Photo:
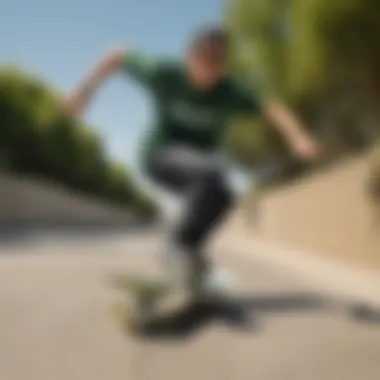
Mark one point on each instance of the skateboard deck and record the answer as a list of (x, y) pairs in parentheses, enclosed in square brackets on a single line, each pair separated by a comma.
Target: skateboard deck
[(139, 286), (143, 301)]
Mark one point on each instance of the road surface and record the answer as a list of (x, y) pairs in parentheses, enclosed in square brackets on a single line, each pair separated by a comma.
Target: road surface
[(55, 324)]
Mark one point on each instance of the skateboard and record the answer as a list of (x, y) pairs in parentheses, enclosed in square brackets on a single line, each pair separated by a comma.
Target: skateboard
[(142, 300), (138, 299)]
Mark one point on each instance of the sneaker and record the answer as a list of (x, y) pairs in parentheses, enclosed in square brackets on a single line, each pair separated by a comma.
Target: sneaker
[(216, 284)]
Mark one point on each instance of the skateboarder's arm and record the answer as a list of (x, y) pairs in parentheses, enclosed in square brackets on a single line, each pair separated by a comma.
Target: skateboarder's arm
[(298, 139), (300, 142), (82, 95)]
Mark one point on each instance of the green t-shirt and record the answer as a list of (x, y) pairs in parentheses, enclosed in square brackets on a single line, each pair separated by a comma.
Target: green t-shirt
[(183, 114)]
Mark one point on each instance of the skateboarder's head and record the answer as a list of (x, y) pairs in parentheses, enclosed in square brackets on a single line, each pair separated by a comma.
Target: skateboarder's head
[(207, 56)]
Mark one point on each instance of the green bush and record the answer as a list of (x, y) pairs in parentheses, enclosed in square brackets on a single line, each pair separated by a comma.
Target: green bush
[(36, 138), (322, 59)]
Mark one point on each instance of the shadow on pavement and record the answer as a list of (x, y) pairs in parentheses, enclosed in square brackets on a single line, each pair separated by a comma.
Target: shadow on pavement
[(185, 322), (242, 313), (364, 313)]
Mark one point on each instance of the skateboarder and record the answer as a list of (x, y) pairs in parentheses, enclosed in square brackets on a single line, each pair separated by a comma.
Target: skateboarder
[(194, 98)]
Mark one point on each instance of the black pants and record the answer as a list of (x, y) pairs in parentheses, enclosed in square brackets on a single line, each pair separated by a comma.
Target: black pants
[(202, 184)]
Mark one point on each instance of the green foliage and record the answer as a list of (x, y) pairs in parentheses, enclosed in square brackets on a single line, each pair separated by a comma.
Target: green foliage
[(260, 36), (321, 57), (245, 139), (36, 138)]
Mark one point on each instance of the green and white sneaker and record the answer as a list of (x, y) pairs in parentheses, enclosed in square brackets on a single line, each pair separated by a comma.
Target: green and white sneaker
[(216, 285)]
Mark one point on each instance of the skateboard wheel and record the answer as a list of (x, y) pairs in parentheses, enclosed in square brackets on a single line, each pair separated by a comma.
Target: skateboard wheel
[(123, 315), (128, 318)]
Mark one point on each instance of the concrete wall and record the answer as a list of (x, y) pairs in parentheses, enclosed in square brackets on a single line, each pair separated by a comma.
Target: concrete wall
[(329, 214), (25, 202)]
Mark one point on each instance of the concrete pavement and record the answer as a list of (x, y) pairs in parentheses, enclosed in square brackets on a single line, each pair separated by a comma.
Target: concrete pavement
[(54, 321)]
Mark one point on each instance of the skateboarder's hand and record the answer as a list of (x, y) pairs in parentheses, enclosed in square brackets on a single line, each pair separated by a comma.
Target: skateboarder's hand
[(73, 106), (305, 147)]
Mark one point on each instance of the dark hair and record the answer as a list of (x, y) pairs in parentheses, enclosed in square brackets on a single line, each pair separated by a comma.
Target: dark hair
[(214, 35)]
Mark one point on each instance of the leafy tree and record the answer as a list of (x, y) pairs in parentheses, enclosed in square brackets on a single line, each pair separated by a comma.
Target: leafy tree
[(260, 37), (37, 139), (321, 58)]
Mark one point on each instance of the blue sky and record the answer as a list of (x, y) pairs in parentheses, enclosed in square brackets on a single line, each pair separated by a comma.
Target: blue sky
[(61, 39)]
